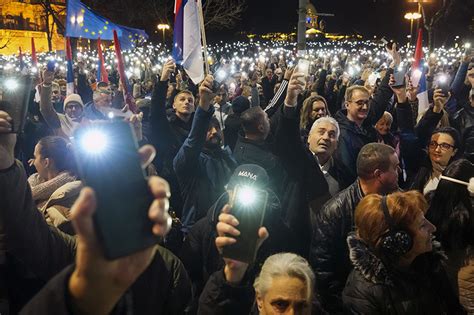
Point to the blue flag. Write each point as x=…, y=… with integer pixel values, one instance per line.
x=82, y=22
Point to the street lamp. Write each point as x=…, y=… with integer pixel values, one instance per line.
x=163, y=27
x=412, y=16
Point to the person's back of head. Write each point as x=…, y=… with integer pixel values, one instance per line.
x=58, y=150
x=451, y=206
x=377, y=163
x=255, y=123
x=389, y=225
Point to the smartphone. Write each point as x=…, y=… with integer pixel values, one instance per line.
x=108, y=161
x=248, y=206
x=220, y=75
x=15, y=98
x=399, y=77
x=443, y=83
x=303, y=67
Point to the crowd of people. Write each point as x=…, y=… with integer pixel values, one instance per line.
x=370, y=195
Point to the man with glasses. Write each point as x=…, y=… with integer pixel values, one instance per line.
x=62, y=124
x=357, y=120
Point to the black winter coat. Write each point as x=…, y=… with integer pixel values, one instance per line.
x=329, y=255
x=375, y=287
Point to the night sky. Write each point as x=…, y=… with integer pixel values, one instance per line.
x=367, y=17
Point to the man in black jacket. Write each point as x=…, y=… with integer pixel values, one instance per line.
x=268, y=84
x=168, y=134
x=377, y=169
x=252, y=147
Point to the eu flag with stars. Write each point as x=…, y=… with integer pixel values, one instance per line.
x=82, y=22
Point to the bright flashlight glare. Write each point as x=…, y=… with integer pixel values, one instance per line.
x=111, y=115
x=247, y=196
x=467, y=45
x=11, y=84
x=221, y=75
x=94, y=142
x=443, y=79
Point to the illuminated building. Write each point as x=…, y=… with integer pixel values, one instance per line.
x=21, y=20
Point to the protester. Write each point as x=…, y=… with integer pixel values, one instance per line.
x=55, y=186
x=451, y=211
x=201, y=165
x=232, y=125
x=314, y=107
x=228, y=291
x=199, y=253
x=398, y=268
x=361, y=113
x=377, y=169
x=95, y=284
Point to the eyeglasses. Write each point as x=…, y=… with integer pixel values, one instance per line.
x=444, y=146
x=361, y=103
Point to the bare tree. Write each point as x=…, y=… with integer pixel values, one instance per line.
x=6, y=43
x=222, y=13
x=432, y=24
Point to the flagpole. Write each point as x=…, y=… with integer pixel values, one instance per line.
x=203, y=36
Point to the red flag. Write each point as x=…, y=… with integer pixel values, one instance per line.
x=20, y=58
x=123, y=79
x=102, y=74
x=418, y=50
x=34, y=59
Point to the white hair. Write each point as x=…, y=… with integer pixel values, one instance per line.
x=326, y=119
x=284, y=264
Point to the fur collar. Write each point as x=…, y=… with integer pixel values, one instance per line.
x=370, y=266
x=375, y=270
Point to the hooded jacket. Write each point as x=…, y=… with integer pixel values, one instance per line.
x=378, y=287
x=202, y=173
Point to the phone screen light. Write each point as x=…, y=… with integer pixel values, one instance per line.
x=246, y=196
x=11, y=84
x=94, y=142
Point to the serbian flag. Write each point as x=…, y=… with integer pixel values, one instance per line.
x=187, y=49
x=102, y=75
x=34, y=59
x=418, y=77
x=123, y=79
x=70, y=73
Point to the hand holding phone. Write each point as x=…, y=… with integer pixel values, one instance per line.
x=15, y=99
x=109, y=163
x=443, y=83
x=248, y=205
x=303, y=67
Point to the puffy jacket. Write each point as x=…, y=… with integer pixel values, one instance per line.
x=463, y=119
x=375, y=287
x=329, y=255
x=56, y=209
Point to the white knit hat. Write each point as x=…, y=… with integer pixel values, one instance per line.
x=73, y=98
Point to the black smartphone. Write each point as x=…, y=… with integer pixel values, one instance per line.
x=108, y=161
x=399, y=77
x=443, y=84
x=15, y=98
x=248, y=206
x=220, y=75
